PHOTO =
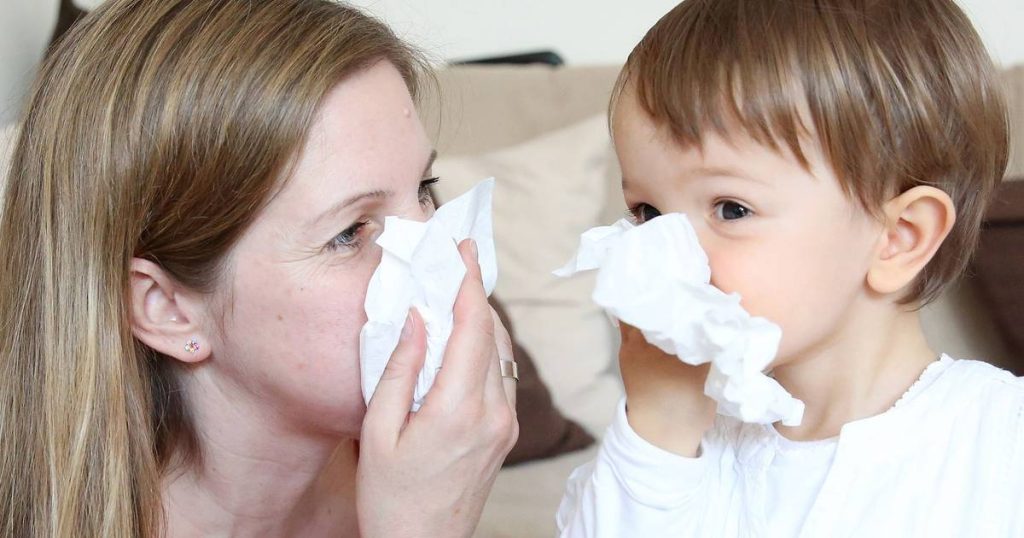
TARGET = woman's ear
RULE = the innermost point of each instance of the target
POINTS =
(916, 224)
(164, 315)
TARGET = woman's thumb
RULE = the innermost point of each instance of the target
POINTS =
(391, 401)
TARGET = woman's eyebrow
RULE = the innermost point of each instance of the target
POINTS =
(351, 200)
(374, 194)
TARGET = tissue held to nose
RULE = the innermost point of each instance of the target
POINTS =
(656, 277)
(421, 267)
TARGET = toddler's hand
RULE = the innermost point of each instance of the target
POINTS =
(665, 401)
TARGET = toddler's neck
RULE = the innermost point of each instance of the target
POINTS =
(857, 374)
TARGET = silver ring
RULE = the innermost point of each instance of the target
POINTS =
(509, 369)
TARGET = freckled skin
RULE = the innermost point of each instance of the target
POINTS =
(292, 342)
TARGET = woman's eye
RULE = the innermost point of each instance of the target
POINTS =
(348, 239)
(731, 211)
(426, 198)
(351, 237)
(642, 213)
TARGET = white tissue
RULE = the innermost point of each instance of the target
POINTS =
(421, 267)
(656, 278)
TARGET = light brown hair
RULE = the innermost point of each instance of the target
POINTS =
(898, 93)
(157, 129)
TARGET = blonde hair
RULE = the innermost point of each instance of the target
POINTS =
(899, 93)
(157, 129)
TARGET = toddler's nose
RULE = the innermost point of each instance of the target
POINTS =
(707, 243)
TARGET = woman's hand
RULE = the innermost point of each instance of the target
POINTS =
(428, 474)
(665, 401)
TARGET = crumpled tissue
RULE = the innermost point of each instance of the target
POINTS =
(656, 277)
(421, 267)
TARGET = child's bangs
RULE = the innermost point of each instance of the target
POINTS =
(713, 68)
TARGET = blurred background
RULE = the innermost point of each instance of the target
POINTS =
(583, 32)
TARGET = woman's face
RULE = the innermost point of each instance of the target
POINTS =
(288, 339)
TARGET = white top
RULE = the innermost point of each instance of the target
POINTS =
(794, 479)
(946, 460)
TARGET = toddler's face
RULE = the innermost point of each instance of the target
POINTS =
(788, 240)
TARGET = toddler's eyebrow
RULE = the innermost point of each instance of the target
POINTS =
(720, 171)
(712, 171)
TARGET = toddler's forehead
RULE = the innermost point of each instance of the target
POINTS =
(719, 147)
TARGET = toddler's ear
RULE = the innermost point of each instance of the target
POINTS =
(165, 316)
(916, 224)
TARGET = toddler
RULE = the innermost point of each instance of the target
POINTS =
(835, 158)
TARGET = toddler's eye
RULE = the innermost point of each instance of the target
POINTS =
(642, 213)
(348, 239)
(727, 210)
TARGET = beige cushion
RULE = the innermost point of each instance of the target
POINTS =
(485, 108)
(1013, 83)
(958, 324)
(548, 191)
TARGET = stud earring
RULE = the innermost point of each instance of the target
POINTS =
(192, 345)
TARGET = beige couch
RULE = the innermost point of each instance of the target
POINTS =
(542, 133)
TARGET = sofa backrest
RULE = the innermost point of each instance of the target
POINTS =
(1013, 81)
(491, 107)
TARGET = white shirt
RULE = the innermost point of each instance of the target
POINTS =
(794, 479)
(947, 460)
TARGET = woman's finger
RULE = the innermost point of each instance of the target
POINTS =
(391, 401)
(503, 342)
(471, 347)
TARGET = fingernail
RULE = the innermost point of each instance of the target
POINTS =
(474, 250)
(407, 329)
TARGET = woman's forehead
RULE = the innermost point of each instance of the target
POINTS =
(366, 132)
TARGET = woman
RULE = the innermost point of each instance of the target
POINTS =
(188, 230)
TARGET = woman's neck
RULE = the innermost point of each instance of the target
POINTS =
(255, 479)
(860, 372)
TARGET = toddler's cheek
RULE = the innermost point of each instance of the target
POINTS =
(740, 278)
(724, 273)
